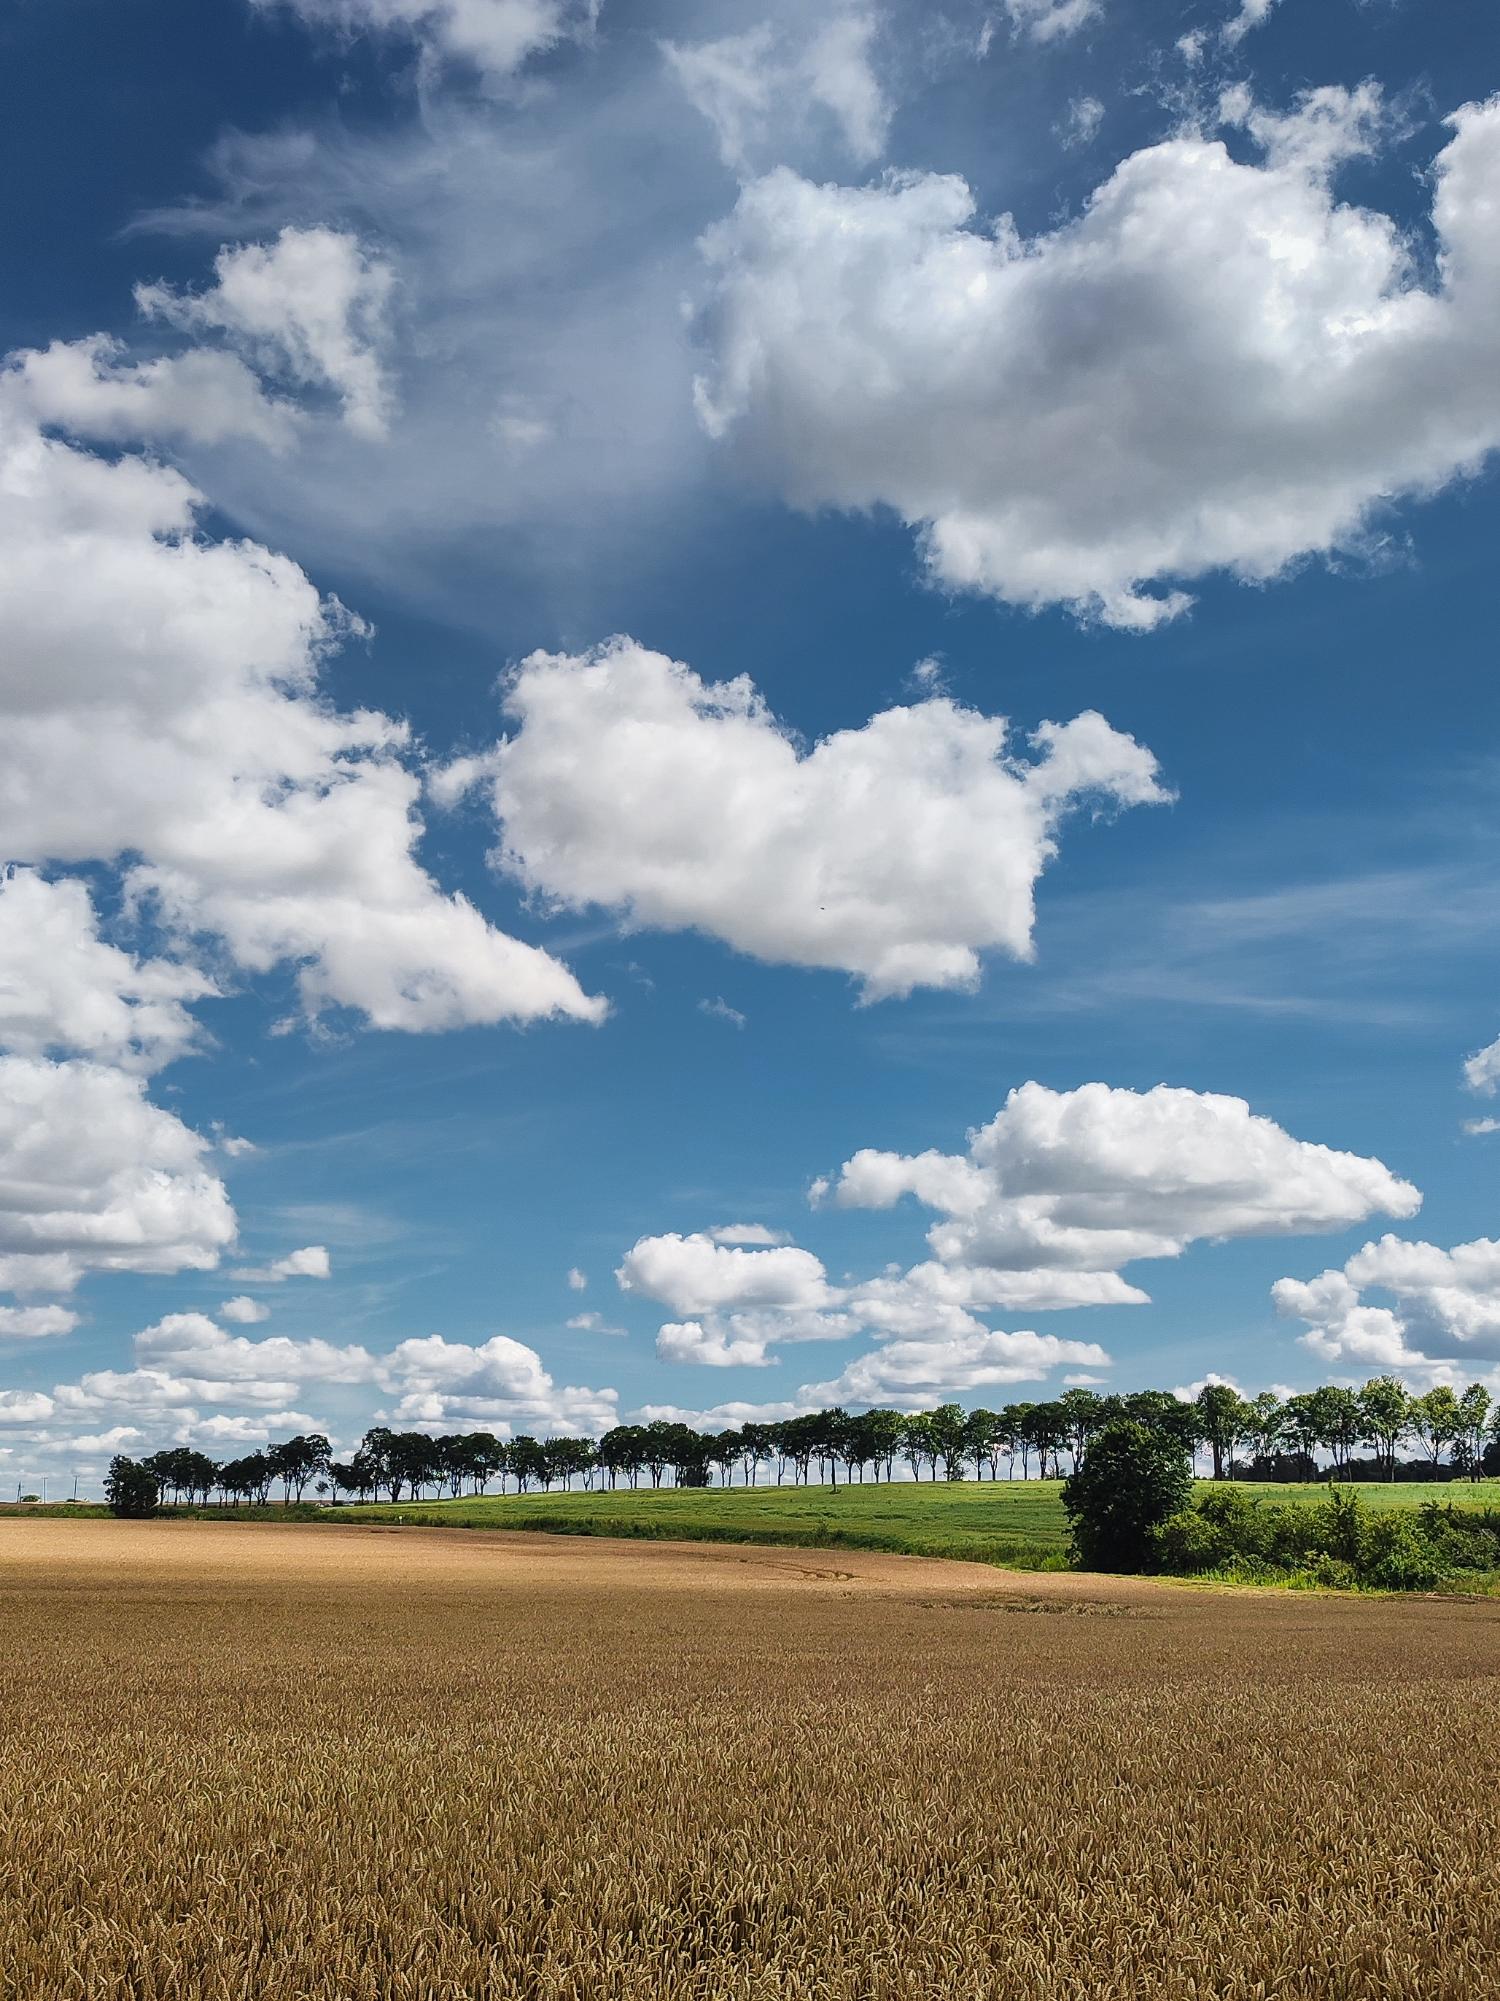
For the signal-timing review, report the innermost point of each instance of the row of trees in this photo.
(1263, 1436)
(184, 1475)
(1383, 1417)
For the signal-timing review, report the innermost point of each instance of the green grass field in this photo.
(1016, 1523)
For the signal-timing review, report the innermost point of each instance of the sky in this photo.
(715, 708)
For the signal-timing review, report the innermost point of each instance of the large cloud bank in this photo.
(160, 702)
(165, 727)
(1217, 365)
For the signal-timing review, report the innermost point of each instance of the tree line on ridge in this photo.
(1280, 1438)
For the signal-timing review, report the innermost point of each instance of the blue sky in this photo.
(416, 296)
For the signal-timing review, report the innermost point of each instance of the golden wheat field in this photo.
(249, 1763)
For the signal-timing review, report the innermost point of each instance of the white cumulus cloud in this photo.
(1218, 365)
(746, 1339)
(311, 1261)
(499, 1382)
(693, 1275)
(721, 1416)
(64, 989)
(202, 397)
(631, 783)
(190, 1344)
(1482, 1070)
(33, 1323)
(739, 1291)
(103, 1391)
(593, 1323)
(244, 1311)
(24, 1407)
(1445, 1300)
(311, 307)
(1051, 1198)
(160, 706)
(711, 1346)
(932, 1300)
(1074, 1184)
(221, 1430)
(912, 1374)
(97, 1178)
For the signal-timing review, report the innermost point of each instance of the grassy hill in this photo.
(1017, 1523)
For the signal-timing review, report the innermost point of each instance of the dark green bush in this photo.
(1339, 1543)
(1467, 1538)
(1397, 1556)
(1186, 1544)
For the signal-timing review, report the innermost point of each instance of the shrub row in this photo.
(1339, 1541)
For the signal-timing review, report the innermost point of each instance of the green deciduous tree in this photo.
(1163, 1412)
(918, 1446)
(1299, 1425)
(1134, 1478)
(131, 1489)
(295, 1460)
(527, 1462)
(949, 1433)
(981, 1433)
(1437, 1420)
(415, 1458)
(885, 1439)
(622, 1449)
(1265, 1423)
(1046, 1427)
(1084, 1412)
(1339, 1422)
(1221, 1422)
(1385, 1412)
(1473, 1410)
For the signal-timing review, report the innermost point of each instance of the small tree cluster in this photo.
(131, 1489)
